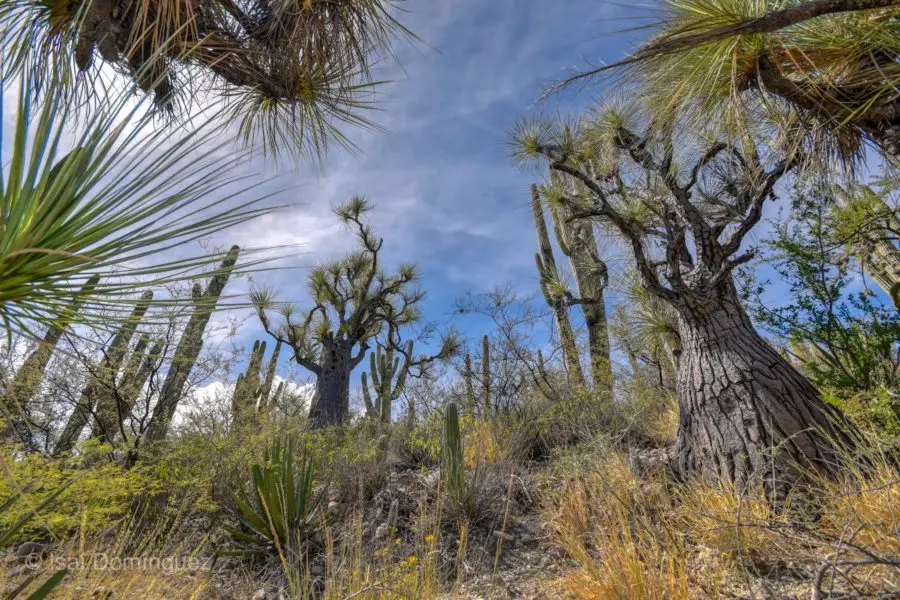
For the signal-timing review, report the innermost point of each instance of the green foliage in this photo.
(879, 408)
(123, 195)
(280, 509)
(10, 532)
(289, 78)
(92, 502)
(843, 338)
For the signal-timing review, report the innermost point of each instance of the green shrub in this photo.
(97, 498)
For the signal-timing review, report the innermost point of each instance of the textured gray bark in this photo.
(331, 403)
(188, 350)
(745, 412)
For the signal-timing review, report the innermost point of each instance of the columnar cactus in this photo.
(385, 368)
(251, 393)
(470, 389)
(189, 348)
(469, 377)
(577, 241)
(100, 391)
(486, 374)
(137, 372)
(28, 377)
(554, 291)
(453, 465)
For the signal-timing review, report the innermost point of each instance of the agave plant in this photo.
(280, 509)
(108, 200)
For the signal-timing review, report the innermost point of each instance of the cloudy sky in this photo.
(446, 193)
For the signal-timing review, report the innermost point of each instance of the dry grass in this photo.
(633, 538)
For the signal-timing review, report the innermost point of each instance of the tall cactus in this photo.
(99, 391)
(554, 294)
(28, 377)
(266, 399)
(453, 465)
(138, 371)
(189, 348)
(577, 241)
(468, 375)
(252, 395)
(384, 368)
(871, 228)
(486, 374)
(135, 374)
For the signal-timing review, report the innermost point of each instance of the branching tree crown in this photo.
(354, 300)
(686, 224)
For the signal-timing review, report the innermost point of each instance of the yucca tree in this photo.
(289, 71)
(833, 64)
(355, 299)
(107, 199)
(746, 415)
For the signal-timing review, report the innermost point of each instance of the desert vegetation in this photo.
(697, 395)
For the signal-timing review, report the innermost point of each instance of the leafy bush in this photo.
(98, 497)
(279, 511)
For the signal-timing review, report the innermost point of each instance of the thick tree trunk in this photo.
(331, 404)
(745, 413)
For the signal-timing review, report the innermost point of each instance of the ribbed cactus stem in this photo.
(578, 242)
(99, 396)
(265, 391)
(101, 390)
(276, 397)
(371, 411)
(468, 375)
(486, 373)
(453, 463)
(549, 279)
(246, 398)
(189, 348)
(24, 384)
(388, 375)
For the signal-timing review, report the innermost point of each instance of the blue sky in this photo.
(446, 194)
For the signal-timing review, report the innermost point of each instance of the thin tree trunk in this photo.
(745, 412)
(331, 404)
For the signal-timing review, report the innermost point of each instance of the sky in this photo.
(446, 194)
